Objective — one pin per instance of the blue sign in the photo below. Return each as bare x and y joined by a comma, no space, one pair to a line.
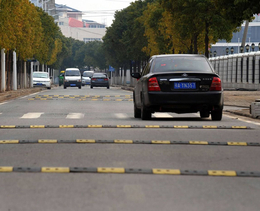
111,69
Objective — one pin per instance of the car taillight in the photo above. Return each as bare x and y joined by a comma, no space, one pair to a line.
93,79
153,84
106,79
215,84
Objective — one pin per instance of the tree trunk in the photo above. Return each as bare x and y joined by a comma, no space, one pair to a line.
207,40
195,43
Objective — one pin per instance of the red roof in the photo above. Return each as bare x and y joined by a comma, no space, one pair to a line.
75,23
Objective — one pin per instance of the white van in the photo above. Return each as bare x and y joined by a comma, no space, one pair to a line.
72,78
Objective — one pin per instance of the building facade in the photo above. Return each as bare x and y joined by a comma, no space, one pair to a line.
71,23
253,37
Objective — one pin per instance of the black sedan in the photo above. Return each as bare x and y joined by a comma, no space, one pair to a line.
180,83
99,80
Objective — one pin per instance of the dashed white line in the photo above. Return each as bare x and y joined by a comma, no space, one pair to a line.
162,115
121,115
75,116
3,103
31,115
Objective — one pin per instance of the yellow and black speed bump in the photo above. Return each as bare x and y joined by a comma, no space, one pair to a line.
124,126
84,97
123,141
116,170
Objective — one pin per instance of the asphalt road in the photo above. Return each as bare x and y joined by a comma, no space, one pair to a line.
73,119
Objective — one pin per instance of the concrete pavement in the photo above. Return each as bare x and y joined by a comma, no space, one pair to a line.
239,99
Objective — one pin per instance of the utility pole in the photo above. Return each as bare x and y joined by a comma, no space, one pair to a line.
244,35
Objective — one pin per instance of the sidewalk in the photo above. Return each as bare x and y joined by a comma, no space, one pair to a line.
241,99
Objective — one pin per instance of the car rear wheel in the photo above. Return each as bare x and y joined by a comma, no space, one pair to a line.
79,87
216,115
64,87
204,114
91,87
137,112
108,87
145,113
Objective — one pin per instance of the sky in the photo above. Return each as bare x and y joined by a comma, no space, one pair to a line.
101,11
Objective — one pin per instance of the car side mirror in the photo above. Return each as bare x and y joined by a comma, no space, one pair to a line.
136,75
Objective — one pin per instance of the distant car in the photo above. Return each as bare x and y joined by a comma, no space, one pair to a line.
86,77
99,80
41,79
179,83
72,78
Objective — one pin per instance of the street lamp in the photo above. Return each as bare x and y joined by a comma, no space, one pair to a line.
227,50
241,49
232,50
247,48
253,46
215,52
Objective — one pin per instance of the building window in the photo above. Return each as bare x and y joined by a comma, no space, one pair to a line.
61,23
91,39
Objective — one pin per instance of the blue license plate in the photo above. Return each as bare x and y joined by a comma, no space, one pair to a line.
185,85
39,84
73,85
100,79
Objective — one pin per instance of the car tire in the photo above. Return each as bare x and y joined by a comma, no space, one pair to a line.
146,114
48,87
64,87
108,87
204,114
137,112
216,115
79,87
91,87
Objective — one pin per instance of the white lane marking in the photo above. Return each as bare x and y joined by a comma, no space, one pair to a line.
75,116
3,103
241,119
30,95
162,115
121,115
0,113
31,116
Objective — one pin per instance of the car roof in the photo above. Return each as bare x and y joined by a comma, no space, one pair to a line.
69,69
178,55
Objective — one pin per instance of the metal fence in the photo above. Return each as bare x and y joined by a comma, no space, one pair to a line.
238,71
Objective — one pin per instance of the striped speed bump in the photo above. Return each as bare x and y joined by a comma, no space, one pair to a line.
122,141
51,97
114,170
92,99
124,126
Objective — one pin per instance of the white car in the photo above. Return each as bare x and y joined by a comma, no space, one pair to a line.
41,79
86,77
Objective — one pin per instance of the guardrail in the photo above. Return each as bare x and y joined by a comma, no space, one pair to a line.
238,71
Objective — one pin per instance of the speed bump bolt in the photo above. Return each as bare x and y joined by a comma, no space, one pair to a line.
138,171
194,172
248,174
26,169
83,170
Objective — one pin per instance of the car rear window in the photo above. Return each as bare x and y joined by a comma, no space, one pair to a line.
87,74
40,75
181,64
72,73
99,75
